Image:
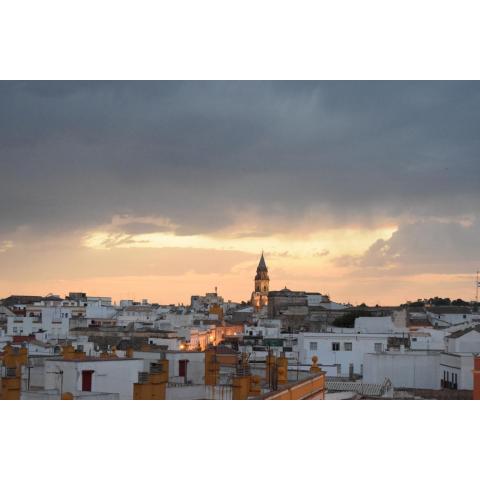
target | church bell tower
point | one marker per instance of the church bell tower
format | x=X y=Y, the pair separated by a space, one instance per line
x=262 y=281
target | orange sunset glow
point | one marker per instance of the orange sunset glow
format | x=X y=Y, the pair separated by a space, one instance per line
x=162 y=190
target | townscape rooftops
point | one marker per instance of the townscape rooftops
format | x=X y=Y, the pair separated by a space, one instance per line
x=223 y=350
x=416 y=309
x=366 y=389
x=21 y=300
x=92 y=359
x=139 y=308
x=448 y=309
x=285 y=292
x=461 y=333
x=419 y=322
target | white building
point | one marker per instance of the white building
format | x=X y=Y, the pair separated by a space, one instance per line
x=427 y=339
x=464 y=341
x=456 y=363
x=345 y=349
x=200 y=303
x=109 y=375
x=176 y=319
x=266 y=329
x=448 y=366
x=100 y=308
x=136 y=314
x=54 y=320
x=376 y=325
x=169 y=341
x=405 y=369
x=444 y=318
x=184 y=367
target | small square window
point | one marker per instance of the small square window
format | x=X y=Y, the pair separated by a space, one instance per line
x=335 y=346
x=347 y=346
x=378 y=347
x=313 y=346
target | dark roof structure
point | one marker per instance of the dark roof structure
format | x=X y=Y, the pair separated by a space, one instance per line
x=21 y=300
x=449 y=310
x=461 y=333
x=262 y=265
x=262 y=270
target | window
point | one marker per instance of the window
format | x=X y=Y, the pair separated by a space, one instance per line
x=313 y=346
x=378 y=347
x=335 y=346
x=347 y=346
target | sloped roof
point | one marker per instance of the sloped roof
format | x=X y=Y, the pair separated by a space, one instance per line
x=366 y=389
x=21 y=299
x=262 y=266
x=461 y=333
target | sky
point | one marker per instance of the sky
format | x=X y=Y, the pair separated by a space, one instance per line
x=366 y=191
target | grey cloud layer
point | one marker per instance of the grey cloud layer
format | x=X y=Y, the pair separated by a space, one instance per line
x=73 y=154
x=422 y=247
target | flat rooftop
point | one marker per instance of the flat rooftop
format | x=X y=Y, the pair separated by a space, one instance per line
x=91 y=359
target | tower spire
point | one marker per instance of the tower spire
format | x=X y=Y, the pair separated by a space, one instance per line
x=262 y=266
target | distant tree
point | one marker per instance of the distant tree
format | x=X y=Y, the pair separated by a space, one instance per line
x=435 y=301
x=439 y=302
x=418 y=303
x=460 y=303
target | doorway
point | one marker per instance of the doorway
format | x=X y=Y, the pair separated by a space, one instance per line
x=87 y=380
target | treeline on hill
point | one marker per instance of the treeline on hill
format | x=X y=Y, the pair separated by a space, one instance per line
x=347 y=320
x=437 y=302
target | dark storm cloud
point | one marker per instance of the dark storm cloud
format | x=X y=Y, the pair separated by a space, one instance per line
x=73 y=154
